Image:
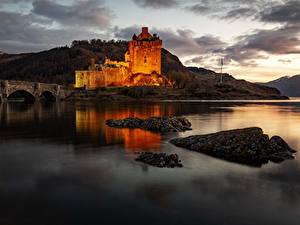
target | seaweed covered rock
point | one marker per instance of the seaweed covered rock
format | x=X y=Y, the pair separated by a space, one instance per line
x=158 y=124
x=247 y=146
x=159 y=159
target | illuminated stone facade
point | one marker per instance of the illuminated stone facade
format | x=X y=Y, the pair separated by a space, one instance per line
x=142 y=66
x=145 y=53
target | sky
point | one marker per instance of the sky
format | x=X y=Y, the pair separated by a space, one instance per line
x=258 y=39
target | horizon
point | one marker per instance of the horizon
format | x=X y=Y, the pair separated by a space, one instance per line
x=260 y=40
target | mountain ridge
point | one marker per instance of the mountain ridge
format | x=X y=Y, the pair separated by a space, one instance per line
x=287 y=85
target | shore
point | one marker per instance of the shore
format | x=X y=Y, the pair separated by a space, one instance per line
x=133 y=94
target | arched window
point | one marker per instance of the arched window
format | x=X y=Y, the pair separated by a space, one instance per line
x=145 y=59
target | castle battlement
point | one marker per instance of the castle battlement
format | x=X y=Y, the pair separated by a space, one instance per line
x=147 y=43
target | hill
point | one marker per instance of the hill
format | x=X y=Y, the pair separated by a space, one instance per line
x=288 y=86
x=207 y=84
x=58 y=65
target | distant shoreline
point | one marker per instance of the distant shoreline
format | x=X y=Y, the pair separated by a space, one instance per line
x=153 y=93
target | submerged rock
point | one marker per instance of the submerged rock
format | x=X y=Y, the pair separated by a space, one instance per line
x=247 y=146
x=159 y=159
x=159 y=124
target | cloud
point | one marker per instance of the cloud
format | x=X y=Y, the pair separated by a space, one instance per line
x=278 y=11
x=12 y=1
x=157 y=4
x=85 y=14
x=200 y=9
x=287 y=12
x=285 y=61
x=279 y=41
x=239 y=13
x=224 y=9
x=127 y=32
x=24 y=33
x=181 y=42
x=211 y=42
x=283 y=40
x=230 y=9
x=49 y=24
x=260 y=44
x=196 y=60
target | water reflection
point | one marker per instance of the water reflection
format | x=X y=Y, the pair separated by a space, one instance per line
x=60 y=164
x=84 y=124
x=92 y=121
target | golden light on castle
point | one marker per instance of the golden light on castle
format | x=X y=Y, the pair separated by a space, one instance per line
x=141 y=67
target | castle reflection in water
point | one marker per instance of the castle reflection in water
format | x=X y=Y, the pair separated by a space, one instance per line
x=92 y=122
x=87 y=123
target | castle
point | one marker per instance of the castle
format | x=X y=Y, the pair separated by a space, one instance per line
x=142 y=66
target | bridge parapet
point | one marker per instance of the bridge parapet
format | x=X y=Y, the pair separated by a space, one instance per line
x=35 y=89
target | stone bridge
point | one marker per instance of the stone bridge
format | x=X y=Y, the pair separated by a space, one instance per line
x=30 y=91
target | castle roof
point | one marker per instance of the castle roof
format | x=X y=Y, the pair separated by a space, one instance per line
x=145 y=35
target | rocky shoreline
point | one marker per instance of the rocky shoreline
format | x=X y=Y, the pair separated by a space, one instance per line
x=159 y=159
x=158 y=124
x=149 y=94
x=246 y=146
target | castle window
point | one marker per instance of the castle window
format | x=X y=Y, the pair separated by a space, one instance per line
x=145 y=59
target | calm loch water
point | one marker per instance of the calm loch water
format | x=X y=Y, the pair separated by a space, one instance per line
x=60 y=164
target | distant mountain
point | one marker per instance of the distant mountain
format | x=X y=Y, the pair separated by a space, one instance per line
x=289 y=86
x=58 y=65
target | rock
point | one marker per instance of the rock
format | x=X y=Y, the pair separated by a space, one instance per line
x=159 y=159
x=158 y=124
x=247 y=146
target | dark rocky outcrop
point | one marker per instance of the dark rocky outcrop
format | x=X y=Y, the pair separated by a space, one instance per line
x=158 y=124
x=247 y=146
x=159 y=159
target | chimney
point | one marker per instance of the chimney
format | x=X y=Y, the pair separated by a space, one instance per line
x=145 y=30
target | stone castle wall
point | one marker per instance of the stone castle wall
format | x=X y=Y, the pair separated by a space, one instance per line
x=103 y=78
x=115 y=76
x=145 y=56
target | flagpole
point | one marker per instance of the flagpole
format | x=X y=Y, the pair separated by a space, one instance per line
x=222 y=63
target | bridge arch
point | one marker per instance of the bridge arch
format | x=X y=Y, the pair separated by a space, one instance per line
x=30 y=91
x=21 y=95
x=48 y=96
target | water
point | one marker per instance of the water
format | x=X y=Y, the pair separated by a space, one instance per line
x=60 y=164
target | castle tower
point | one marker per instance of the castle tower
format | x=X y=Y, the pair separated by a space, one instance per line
x=144 y=53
